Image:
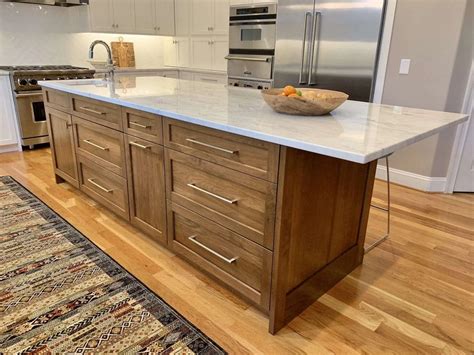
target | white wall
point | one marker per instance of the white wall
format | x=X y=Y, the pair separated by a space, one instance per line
x=34 y=34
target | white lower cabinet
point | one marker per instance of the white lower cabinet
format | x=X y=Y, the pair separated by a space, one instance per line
x=209 y=53
x=176 y=52
x=210 y=78
x=8 y=134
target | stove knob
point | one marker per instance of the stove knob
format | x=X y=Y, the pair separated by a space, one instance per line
x=236 y=84
x=22 y=82
x=33 y=82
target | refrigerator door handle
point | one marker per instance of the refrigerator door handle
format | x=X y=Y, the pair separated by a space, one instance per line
x=314 y=46
x=303 y=51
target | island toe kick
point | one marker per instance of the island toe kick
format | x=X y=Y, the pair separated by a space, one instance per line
x=278 y=226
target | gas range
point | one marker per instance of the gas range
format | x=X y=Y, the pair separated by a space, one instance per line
x=25 y=78
x=28 y=98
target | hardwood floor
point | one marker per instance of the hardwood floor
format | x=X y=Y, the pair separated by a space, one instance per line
x=413 y=293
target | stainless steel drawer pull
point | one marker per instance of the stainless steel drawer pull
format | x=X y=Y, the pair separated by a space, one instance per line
x=226 y=200
x=212 y=146
x=94 y=145
x=248 y=59
x=213 y=252
x=92 y=110
x=140 y=145
x=100 y=186
x=139 y=125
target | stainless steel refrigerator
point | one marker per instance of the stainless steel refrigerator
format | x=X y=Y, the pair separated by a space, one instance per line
x=329 y=44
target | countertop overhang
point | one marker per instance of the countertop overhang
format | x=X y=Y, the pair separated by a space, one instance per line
x=356 y=131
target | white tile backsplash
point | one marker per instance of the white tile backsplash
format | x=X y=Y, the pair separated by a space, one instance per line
x=34 y=34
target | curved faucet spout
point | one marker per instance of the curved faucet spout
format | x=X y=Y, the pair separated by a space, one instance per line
x=109 y=52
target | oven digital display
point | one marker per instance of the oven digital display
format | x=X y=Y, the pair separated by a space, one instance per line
x=252 y=10
x=251 y=34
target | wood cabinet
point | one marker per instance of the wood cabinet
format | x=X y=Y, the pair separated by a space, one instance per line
x=276 y=225
x=209 y=17
x=62 y=143
x=146 y=186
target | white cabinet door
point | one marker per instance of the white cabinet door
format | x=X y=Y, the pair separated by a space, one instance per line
x=202 y=15
x=185 y=75
x=170 y=54
x=124 y=16
x=145 y=16
x=220 y=48
x=221 y=17
x=8 y=135
x=201 y=52
x=171 y=74
x=101 y=16
x=184 y=56
x=182 y=17
x=210 y=78
x=164 y=17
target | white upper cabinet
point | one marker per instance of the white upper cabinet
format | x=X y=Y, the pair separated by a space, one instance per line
x=145 y=16
x=182 y=17
x=209 y=53
x=101 y=16
x=176 y=52
x=209 y=17
x=164 y=17
x=124 y=15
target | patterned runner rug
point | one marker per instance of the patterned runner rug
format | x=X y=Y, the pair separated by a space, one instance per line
x=59 y=293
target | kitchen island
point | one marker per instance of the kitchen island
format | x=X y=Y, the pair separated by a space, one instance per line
x=273 y=206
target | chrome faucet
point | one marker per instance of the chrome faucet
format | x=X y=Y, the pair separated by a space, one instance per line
x=110 y=63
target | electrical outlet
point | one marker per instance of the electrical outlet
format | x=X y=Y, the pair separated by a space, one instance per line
x=404 y=66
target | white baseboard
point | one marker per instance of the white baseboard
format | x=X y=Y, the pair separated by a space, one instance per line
x=9 y=148
x=415 y=181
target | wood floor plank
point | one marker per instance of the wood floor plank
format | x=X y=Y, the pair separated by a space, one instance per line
x=412 y=294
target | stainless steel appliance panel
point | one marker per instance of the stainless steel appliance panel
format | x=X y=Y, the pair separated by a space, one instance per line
x=31 y=116
x=257 y=67
x=252 y=36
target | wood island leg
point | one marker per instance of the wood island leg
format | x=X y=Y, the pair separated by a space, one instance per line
x=322 y=212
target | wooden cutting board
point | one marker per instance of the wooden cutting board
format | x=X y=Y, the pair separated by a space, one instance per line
x=123 y=54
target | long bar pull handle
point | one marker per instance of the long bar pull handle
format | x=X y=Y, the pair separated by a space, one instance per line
x=220 y=198
x=94 y=145
x=139 y=125
x=212 y=146
x=100 y=186
x=140 y=145
x=213 y=252
x=314 y=45
x=248 y=59
x=303 y=51
x=88 y=109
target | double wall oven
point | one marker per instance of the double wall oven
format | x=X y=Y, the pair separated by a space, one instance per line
x=252 y=35
x=28 y=98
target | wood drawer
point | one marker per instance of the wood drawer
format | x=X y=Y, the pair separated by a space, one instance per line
x=106 y=188
x=240 y=202
x=143 y=125
x=97 y=111
x=57 y=99
x=247 y=155
x=100 y=144
x=239 y=263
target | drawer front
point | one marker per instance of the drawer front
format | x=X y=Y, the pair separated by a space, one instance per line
x=57 y=99
x=96 y=111
x=240 y=202
x=106 y=188
x=247 y=155
x=100 y=144
x=143 y=125
x=238 y=262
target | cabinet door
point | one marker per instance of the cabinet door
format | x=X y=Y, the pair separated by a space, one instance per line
x=101 y=16
x=182 y=17
x=164 y=17
x=146 y=185
x=221 y=17
x=170 y=53
x=61 y=138
x=124 y=16
x=202 y=53
x=183 y=51
x=202 y=16
x=145 y=16
x=220 y=48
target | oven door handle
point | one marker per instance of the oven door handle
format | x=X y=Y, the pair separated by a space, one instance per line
x=29 y=94
x=249 y=59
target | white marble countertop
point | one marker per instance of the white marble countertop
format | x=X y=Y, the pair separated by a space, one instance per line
x=4 y=73
x=356 y=131
x=125 y=70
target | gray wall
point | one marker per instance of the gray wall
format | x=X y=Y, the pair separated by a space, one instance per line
x=437 y=36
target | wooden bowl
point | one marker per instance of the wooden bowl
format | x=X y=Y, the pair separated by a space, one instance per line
x=304 y=105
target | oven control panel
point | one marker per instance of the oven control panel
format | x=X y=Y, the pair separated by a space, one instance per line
x=252 y=84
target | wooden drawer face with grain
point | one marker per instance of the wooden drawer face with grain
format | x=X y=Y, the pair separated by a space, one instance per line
x=241 y=264
x=103 y=145
x=247 y=155
x=96 y=111
x=106 y=188
x=57 y=99
x=238 y=201
x=143 y=125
